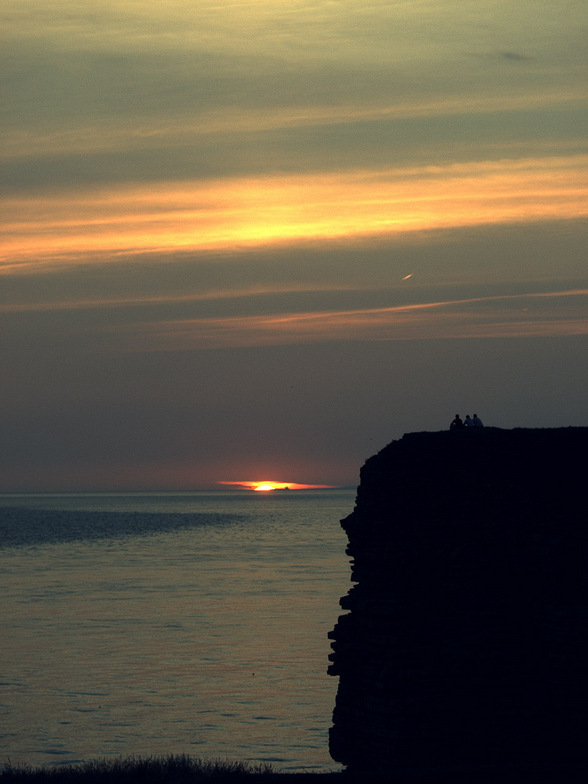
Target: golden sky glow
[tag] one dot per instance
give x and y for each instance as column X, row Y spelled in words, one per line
column 232, row 233
column 233, row 213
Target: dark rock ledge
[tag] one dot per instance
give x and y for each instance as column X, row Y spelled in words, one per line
column 465, row 646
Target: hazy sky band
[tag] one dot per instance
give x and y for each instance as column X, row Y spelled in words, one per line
column 103, row 95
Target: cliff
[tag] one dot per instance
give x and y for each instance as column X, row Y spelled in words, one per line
column 465, row 644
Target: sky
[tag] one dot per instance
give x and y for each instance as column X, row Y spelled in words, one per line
column 259, row 240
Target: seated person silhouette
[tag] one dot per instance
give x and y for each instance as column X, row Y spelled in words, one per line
column 457, row 423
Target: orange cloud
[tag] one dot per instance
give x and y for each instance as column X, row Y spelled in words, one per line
column 232, row 213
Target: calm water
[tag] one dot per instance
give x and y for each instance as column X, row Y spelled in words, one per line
column 163, row 624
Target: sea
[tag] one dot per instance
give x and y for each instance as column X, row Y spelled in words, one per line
column 151, row 624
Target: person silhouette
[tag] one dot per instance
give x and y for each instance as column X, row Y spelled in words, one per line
column 469, row 422
column 476, row 421
column 457, row 423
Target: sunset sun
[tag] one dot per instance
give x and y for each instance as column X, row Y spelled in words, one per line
column 267, row 486
column 264, row 487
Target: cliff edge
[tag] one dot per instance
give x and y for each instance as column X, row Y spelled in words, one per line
column 464, row 648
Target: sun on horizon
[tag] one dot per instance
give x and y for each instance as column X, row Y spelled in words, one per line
column 267, row 485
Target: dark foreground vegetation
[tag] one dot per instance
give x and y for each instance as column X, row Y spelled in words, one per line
column 186, row 770
column 146, row 770
column 154, row 770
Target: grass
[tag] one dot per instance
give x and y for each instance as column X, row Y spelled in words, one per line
column 187, row 770
column 154, row 770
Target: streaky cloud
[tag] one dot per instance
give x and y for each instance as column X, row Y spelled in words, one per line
column 513, row 315
column 265, row 211
column 161, row 133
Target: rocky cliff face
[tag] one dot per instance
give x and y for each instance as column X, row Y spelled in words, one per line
column 465, row 644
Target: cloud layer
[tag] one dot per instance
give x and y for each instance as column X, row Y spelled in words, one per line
column 287, row 185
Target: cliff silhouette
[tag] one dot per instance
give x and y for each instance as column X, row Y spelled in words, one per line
column 464, row 648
